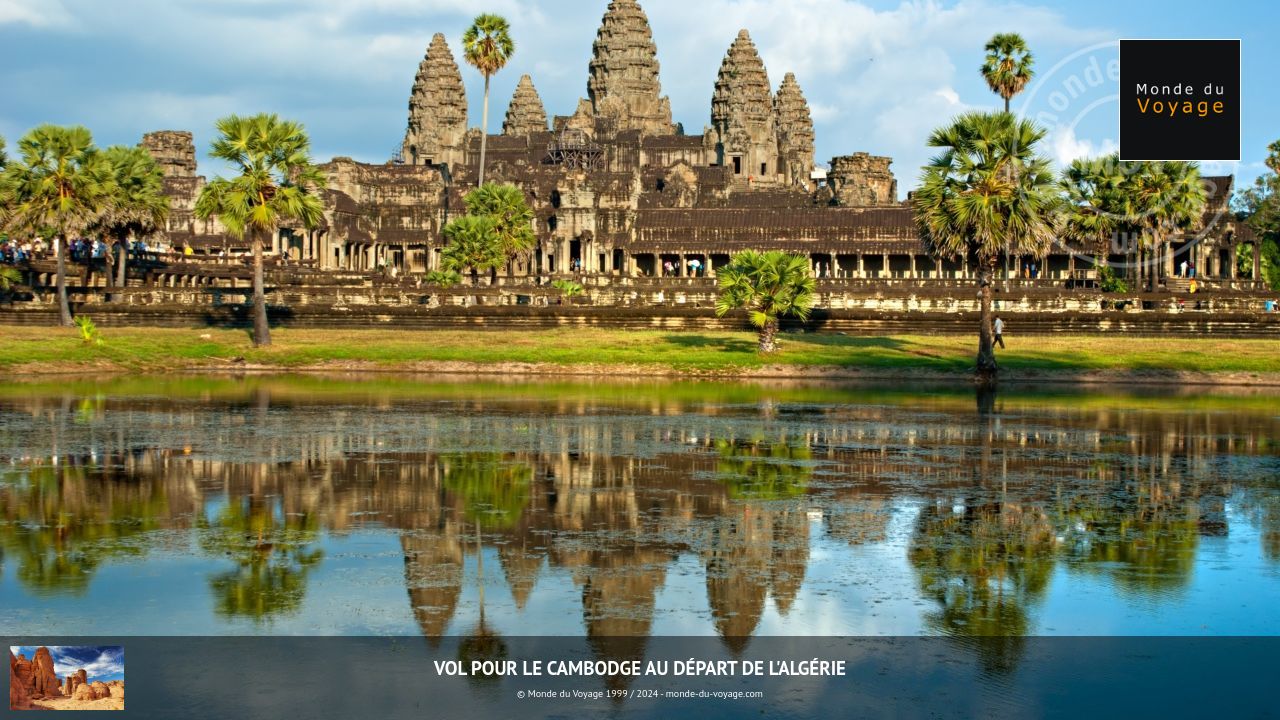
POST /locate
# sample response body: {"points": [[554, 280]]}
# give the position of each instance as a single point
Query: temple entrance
{"points": [[619, 262], [575, 256], [645, 265], [737, 164]]}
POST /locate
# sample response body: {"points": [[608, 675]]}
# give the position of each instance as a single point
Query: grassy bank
{"points": [[38, 350]]}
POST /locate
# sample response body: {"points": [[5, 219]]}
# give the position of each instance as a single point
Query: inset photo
{"points": [[66, 677]]}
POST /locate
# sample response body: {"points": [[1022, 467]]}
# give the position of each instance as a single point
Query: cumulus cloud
{"points": [[1067, 147], [37, 13]]}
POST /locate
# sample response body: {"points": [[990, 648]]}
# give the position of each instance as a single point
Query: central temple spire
{"points": [[623, 83], [743, 121]]}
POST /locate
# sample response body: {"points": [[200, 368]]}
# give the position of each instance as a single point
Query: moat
{"points": [[320, 506]]}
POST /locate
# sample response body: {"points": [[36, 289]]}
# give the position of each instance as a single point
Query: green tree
{"points": [[1167, 197], [769, 286], [4, 159], [60, 184], [277, 183], [1096, 204], [487, 46], [1008, 66], [138, 204], [988, 193], [473, 244], [513, 220], [1259, 206]]}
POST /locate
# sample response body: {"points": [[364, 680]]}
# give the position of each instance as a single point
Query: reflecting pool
{"points": [[329, 506]]}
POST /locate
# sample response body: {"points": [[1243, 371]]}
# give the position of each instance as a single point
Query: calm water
{"points": [[322, 506]]}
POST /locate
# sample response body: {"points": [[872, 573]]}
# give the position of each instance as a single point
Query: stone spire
{"points": [[623, 84], [525, 114], [795, 133], [743, 132], [437, 110]]}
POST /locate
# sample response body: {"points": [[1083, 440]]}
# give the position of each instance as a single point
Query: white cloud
{"points": [[1067, 147], [108, 663], [37, 13]]}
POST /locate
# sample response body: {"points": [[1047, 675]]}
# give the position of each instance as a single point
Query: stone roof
{"points": [[816, 229], [438, 105], [526, 113], [623, 83], [742, 107]]}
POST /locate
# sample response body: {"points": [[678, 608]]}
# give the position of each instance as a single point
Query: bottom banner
{"points": [[488, 676]]}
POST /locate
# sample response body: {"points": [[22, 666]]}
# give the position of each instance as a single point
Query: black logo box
{"points": [[1188, 65]]}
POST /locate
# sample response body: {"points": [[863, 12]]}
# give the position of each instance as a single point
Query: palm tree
{"points": [[4, 159], [473, 244], [60, 185], [513, 220], [986, 194], [138, 204], [1096, 208], [1008, 67], [769, 285], [487, 46], [277, 183], [1168, 196]]}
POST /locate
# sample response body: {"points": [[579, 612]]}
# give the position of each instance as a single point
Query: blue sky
{"points": [[879, 75], [100, 662]]}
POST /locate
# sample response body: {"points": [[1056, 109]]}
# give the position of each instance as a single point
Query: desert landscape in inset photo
{"points": [[66, 677]]}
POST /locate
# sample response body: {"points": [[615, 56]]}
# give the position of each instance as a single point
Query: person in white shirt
{"points": [[999, 328]]}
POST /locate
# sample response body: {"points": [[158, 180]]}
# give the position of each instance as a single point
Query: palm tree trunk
{"points": [[122, 277], [1006, 104], [484, 130], [109, 264], [261, 328], [769, 336], [986, 369], [64, 308]]}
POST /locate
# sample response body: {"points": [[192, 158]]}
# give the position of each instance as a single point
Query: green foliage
{"points": [[568, 287], [443, 278], [988, 192], [487, 45], [1260, 207], [277, 180], [769, 285], [474, 245], [761, 470], [1098, 204], [1108, 281], [513, 220], [9, 276], [494, 492], [4, 159], [138, 204], [61, 181], [1008, 66], [89, 333]]}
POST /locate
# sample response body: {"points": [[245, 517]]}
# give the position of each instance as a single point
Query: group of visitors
{"points": [[13, 252], [693, 268], [1187, 269]]}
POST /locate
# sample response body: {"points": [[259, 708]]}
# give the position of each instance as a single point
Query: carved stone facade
{"points": [[526, 113], [744, 124], [437, 130], [862, 180], [623, 85], [795, 133], [174, 151]]}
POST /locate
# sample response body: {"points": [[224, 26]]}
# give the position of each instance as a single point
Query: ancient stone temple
{"points": [[617, 190], [437, 110], [525, 114], [744, 128], [795, 133], [623, 83]]}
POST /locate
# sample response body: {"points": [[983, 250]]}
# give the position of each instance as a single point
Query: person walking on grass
{"points": [[998, 326]]}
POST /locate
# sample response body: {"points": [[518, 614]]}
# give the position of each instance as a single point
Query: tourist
{"points": [[999, 328], [1183, 269]]}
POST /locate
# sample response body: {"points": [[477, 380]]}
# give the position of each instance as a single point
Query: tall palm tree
{"points": [[277, 183], [769, 286], [487, 46], [1169, 196], [513, 220], [60, 185], [473, 244], [1008, 66], [138, 204], [987, 193], [4, 159]]}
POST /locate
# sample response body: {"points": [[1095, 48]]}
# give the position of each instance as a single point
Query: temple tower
{"points": [[862, 180], [437, 110], [795, 133], [744, 134], [525, 114], [623, 85]]}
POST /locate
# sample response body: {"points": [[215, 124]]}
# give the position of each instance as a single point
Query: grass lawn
{"points": [[157, 349]]}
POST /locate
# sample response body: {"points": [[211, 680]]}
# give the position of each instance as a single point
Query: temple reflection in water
{"points": [[794, 510]]}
